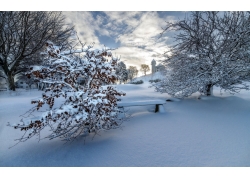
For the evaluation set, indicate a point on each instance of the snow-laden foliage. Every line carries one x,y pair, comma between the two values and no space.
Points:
212,49
136,82
154,80
122,72
85,108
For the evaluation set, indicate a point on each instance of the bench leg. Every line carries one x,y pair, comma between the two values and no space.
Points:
159,108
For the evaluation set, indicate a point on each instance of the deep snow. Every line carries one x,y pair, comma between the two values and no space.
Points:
212,131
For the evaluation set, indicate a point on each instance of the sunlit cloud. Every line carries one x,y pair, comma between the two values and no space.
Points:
135,35
84,26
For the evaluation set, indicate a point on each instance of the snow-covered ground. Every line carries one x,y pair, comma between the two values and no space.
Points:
212,131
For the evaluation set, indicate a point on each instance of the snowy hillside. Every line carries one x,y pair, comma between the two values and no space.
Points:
148,77
192,132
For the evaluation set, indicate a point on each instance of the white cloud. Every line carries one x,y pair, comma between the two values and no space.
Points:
145,33
84,25
122,22
137,33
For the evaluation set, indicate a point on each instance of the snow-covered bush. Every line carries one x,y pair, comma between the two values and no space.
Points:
154,80
137,82
83,108
121,72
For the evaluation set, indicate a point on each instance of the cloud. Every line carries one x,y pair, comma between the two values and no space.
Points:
136,33
84,26
140,45
121,22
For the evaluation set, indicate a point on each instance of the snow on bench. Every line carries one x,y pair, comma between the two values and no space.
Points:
158,104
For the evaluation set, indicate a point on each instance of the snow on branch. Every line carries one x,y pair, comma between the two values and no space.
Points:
212,49
82,86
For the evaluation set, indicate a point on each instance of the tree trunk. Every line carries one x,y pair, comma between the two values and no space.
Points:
11,82
209,90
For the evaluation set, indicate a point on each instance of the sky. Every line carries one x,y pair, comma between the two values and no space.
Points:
131,27
133,34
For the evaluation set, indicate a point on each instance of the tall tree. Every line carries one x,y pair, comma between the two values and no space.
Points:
144,68
132,72
122,72
212,49
22,36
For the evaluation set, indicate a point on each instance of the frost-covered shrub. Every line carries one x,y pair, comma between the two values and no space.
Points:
154,80
136,82
121,72
83,108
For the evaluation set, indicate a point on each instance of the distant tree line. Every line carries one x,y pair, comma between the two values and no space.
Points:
126,74
129,74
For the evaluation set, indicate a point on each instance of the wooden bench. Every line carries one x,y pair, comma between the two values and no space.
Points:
158,104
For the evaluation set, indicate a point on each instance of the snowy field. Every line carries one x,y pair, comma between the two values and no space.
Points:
210,132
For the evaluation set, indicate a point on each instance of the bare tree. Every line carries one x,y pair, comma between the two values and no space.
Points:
22,36
212,49
132,72
144,68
